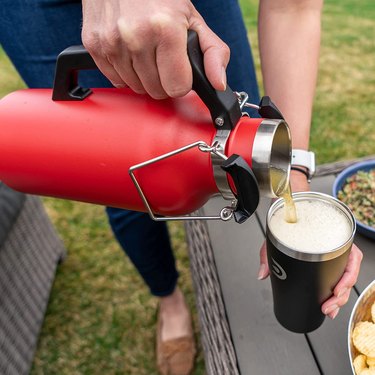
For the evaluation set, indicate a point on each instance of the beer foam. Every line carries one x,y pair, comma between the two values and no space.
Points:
320,227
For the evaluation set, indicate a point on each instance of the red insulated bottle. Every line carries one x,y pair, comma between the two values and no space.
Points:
117,148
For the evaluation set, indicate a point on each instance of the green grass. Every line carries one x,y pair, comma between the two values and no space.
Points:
343,124
9,79
344,107
101,318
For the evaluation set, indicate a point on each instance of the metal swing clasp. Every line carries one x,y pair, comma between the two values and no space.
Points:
225,214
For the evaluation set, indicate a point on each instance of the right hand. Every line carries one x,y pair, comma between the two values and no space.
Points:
142,44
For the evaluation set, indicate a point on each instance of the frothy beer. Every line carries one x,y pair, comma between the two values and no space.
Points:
320,227
307,258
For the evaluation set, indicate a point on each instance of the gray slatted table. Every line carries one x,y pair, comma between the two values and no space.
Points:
240,334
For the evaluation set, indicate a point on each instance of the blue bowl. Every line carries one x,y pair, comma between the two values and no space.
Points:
340,181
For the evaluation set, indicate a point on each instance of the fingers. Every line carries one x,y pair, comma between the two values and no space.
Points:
341,293
351,271
216,57
343,288
136,63
143,45
263,268
298,182
107,65
172,63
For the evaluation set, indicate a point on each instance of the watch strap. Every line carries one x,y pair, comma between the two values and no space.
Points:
305,159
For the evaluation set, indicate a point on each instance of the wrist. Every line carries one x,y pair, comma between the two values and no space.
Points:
302,170
298,181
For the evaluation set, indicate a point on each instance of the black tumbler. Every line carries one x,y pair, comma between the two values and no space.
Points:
302,281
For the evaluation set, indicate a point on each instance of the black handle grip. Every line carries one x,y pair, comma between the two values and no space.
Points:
246,186
223,105
268,109
69,62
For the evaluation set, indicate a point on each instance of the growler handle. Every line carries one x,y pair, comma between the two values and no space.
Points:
223,105
69,63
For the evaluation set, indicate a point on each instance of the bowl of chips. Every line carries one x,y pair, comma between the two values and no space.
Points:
361,333
355,186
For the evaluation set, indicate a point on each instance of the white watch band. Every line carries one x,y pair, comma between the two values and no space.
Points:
305,159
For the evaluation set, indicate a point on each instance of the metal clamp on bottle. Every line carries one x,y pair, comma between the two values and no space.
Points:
225,108
225,214
246,185
241,186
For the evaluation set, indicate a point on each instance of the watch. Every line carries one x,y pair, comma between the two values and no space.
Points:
304,159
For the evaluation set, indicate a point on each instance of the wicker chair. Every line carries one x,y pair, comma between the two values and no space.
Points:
30,250
218,349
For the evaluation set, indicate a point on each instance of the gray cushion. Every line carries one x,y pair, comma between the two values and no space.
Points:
11,203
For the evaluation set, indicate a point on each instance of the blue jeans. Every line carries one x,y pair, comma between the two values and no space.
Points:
33,32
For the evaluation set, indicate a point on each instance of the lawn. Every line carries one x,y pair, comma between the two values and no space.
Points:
100,318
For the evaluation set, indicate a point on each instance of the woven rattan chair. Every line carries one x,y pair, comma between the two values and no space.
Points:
30,250
218,349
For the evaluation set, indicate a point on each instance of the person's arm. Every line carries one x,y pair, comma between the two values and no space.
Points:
142,44
289,43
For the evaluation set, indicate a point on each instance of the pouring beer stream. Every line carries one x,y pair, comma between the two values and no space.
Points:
290,215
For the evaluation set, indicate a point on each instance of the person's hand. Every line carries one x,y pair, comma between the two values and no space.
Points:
142,44
341,293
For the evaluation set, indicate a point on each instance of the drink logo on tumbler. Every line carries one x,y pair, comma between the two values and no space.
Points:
277,270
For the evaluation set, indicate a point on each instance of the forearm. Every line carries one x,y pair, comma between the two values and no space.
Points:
289,40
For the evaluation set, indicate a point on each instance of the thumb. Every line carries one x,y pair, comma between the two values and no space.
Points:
215,56
263,269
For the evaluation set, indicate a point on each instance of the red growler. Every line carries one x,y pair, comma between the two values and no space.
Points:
117,148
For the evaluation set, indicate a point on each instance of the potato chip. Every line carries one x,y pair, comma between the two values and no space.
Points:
359,363
364,338
368,371
370,361
373,312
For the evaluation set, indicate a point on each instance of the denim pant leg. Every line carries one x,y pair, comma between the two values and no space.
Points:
33,33
224,17
150,248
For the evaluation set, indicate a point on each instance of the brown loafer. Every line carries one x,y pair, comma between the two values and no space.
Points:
176,356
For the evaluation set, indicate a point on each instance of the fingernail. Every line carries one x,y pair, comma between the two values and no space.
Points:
262,272
330,309
334,313
224,78
119,85
342,292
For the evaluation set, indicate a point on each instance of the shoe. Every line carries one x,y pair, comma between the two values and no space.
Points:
176,356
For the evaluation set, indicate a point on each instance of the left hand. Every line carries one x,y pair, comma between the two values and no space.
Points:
341,293
342,290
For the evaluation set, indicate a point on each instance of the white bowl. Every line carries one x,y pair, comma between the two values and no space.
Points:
361,312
